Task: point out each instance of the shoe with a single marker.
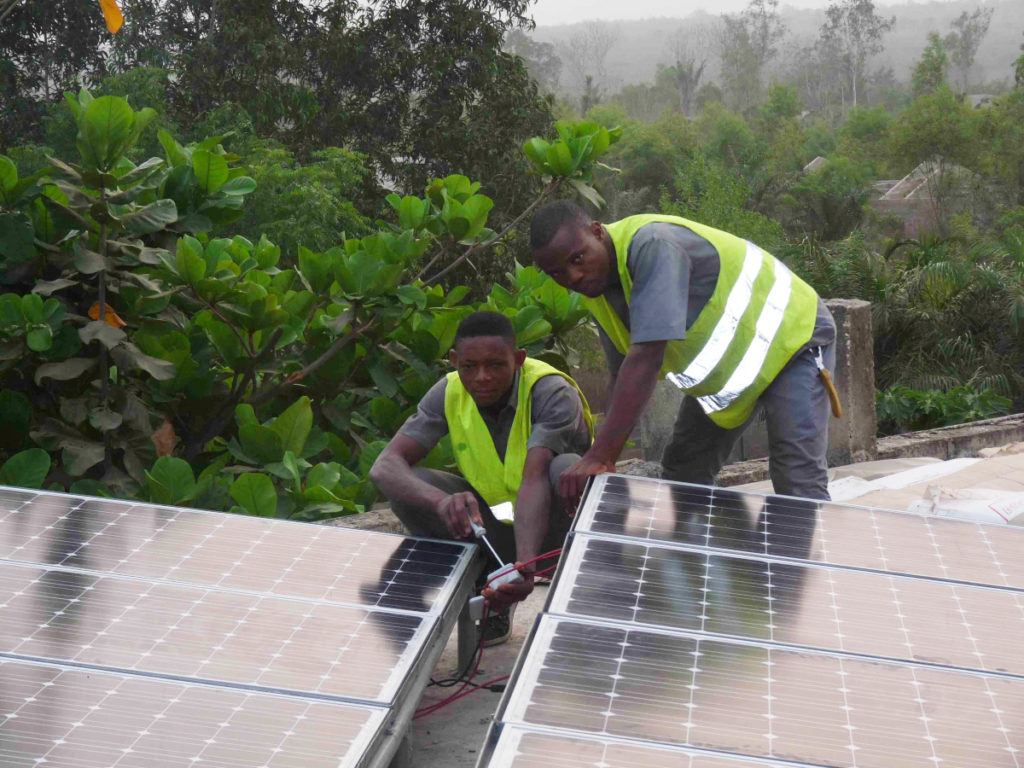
(497, 627)
(542, 581)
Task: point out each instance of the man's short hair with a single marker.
(552, 217)
(486, 324)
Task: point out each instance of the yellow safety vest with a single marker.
(758, 316)
(474, 449)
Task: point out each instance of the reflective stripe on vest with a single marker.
(477, 458)
(758, 316)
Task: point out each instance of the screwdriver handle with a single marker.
(833, 396)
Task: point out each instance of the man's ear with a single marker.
(453, 358)
(520, 358)
(597, 229)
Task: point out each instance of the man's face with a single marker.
(579, 258)
(487, 366)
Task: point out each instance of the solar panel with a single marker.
(781, 526)
(806, 605)
(70, 718)
(222, 614)
(690, 626)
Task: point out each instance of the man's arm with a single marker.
(634, 384)
(392, 474)
(533, 506)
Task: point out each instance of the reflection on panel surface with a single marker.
(759, 700)
(67, 718)
(780, 526)
(314, 562)
(168, 629)
(859, 612)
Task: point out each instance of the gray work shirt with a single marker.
(555, 407)
(674, 273)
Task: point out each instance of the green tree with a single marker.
(930, 71)
(940, 135)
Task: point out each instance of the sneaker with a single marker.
(497, 627)
(542, 581)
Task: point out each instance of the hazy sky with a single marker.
(546, 12)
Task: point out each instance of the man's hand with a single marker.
(455, 511)
(574, 479)
(506, 594)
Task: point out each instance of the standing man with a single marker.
(725, 321)
(516, 424)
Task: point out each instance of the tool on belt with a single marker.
(826, 378)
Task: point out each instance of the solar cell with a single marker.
(854, 537)
(227, 551)
(754, 699)
(67, 718)
(857, 612)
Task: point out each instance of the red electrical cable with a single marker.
(423, 711)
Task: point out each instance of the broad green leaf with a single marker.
(261, 443)
(48, 287)
(245, 414)
(241, 185)
(151, 218)
(32, 308)
(175, 152)
(410, 294)
(326, 475)
(536, 150)
(256, 494)
(294, 424)
(65, 370)
(211, 170)
(27, 469)
(586, 191)
(40, 338)
(105, 127)
(8, 176)
(559, 158)
(176, 475)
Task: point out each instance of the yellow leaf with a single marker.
(110, 317)
(112, 15)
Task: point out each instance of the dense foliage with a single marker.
(146, 357)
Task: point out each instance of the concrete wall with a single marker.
(851, 438)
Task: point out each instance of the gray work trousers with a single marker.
(422, 521)
(796, 409)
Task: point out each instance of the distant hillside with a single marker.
(641, 45)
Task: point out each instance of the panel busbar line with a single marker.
(229, 552)
(856, 612)
(780, 526)
(55, 717)
(614, 682)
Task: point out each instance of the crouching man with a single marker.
(516, 424)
